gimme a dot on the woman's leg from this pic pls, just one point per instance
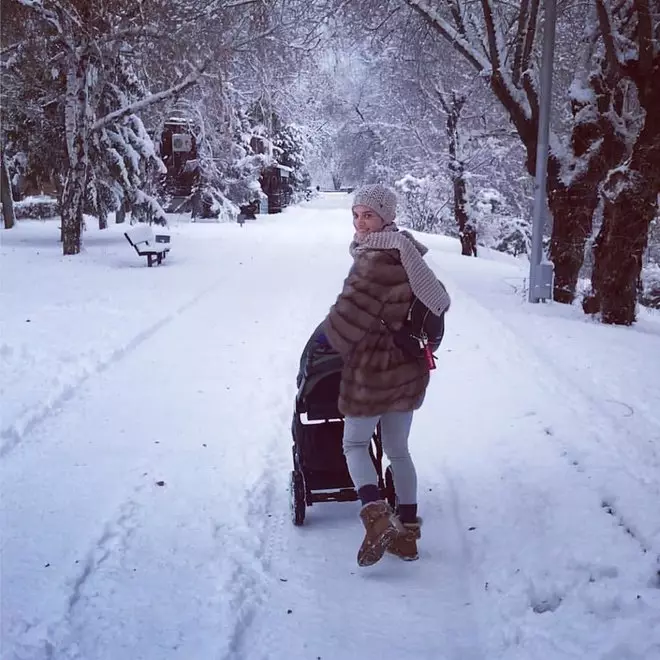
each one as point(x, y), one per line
point(357, 436)
point(395, 427)
point(380, 528)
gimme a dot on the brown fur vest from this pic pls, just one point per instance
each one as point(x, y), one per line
point(377, 376)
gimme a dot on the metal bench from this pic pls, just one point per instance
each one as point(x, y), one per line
point(147, 243)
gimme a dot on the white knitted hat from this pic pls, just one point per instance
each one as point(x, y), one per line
point(378, 198)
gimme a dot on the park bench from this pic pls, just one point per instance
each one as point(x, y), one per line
point(147, 243)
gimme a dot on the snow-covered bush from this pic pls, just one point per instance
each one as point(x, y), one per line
point(650, 293)
point(653, 251)
point(421, 208)
point(40, 207)
point(497, 226)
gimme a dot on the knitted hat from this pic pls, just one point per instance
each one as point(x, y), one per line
point(378, 198)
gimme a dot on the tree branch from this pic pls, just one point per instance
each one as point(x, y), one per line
point(145, 31)
point(530, 35)
point(532, 94)
point(256, 37)
point(455, 10)
point(521, 38)
point(9, 49)
point(385, 20)
point(442, 27)
point(70, 12)
point(644, 36)
point(47, 15)
point(190, 80)
point(493, 50)
point(605, 23)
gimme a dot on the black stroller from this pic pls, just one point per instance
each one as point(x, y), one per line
point(320, 473)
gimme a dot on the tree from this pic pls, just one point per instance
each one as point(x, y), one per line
point(89, 39)
point(32, 117)
point(7, 197)
point(500, 42)
point(630, 191)
point(453, 103)
point(413, 112)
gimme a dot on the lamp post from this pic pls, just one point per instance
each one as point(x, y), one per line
point(540, 272)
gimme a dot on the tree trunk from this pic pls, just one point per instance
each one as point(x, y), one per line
point(72, 209)
point(7, 197)
point(572, 208)
point(619, 250)
point(630, 203)
point(597, 145)
point(103, 217)
point(466, 230)
point(78, 127)
point(467, 233)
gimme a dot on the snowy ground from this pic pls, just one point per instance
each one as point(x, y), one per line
point(538, 451)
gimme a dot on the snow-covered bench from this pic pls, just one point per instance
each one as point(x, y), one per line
point(147, 243)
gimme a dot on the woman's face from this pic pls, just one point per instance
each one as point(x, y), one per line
point(365, 220)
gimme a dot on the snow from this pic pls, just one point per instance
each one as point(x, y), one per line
point(34, 199)
point(581, 93)
point(146, 451)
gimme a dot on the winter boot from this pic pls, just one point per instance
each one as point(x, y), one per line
point(404, 545)
point(381, 530)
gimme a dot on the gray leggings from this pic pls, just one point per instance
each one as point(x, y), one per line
point(395, 427)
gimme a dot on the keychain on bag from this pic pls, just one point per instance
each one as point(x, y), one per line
point(428, 354)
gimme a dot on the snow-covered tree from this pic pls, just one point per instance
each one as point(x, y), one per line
point(228, 166)
point(7, 198)
point(31, 115)
point(501, 43)
point(292, 144)
point(631, 53)
point(89, 40)
point(424, 203)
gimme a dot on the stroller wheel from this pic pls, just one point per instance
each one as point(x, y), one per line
point(297, 498)
point(390, 493)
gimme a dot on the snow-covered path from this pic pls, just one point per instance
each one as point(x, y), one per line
point(145, 512)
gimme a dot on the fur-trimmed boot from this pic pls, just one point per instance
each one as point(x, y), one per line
point(404, 545)
point(381, 531)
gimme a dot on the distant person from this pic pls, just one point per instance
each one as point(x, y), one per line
point(380, 382)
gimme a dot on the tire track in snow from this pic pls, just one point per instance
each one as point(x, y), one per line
point(13, 434)
point(251, 577)
point(562, 386)
point(576, 392)
point(57, 638)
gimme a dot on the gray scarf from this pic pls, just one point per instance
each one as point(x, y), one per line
point(423, 282)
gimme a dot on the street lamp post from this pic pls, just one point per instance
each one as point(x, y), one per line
point(540, 272)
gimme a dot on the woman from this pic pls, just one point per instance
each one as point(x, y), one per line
point(379, 381)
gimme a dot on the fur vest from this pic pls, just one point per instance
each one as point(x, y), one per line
point(377, 377)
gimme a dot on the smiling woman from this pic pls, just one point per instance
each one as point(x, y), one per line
point(380, 383)
point(365, 220)
point(374, 210)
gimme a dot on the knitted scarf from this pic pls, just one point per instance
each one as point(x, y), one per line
point(423, 282)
